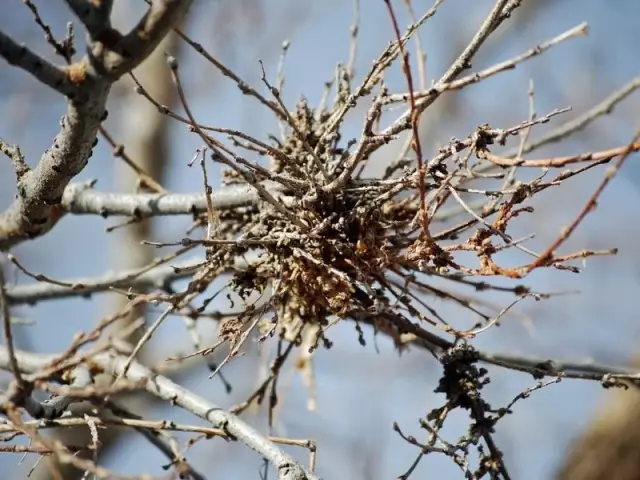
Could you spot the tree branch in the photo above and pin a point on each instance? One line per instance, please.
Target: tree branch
(5, 313)
(55, 406)
(79, 199)
(462, 62)
(136, 278)
(37, 206)
(128, 51)
(162, 387)
(95, 18)
(43, 70)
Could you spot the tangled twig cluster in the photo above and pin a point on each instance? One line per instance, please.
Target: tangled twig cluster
(311, 241)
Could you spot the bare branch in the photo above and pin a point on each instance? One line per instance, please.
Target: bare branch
(605, 107)
(557, 162)
(8, 335)
(79, 199)
(95, 16)
(57, 405)
(37, 206)
(155, 275)
(317, 238)
(43, 70)
(133, 278)
(493, 20)
(130, 50)
(461, 83)
(36, 209)
(162, 387)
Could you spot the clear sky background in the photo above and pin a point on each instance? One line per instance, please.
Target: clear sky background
(361, 392)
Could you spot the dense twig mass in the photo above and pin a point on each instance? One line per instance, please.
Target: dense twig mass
(307, 234)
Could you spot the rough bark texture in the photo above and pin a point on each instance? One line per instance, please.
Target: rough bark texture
(40, 191)
(144, 134)
(86, 84)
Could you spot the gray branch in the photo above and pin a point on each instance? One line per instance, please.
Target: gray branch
(81, 199)
(138, 278)
(95, 18)
(43, 70)
(128, 51)
(162, 387)
(37, 206)
(157, 278)
(57, 405)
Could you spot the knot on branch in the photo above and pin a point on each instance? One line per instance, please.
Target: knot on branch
(462, 380)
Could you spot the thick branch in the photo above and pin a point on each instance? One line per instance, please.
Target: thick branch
(95, 16)
(43, 70)
(128, 51)
(37, 206)
(79, 199)
(55, 406)
(162, 387)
